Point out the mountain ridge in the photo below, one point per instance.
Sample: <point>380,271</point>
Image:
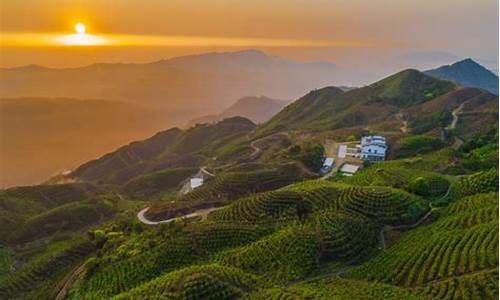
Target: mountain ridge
<point>468,72</point>
<point>185,86</point>
<point>329,108</point>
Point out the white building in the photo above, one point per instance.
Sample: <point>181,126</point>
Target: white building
<point>373,148</point>
<point>349,170</point>
<point>342,151</point>
<point>327,164</point>
<point>196,182</point>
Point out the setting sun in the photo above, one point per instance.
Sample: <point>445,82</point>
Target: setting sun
<point>80,28</point>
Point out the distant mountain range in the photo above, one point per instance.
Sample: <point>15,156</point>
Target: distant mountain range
<point>186,86</point>
<point>467,72</point>
<point>257,109</point>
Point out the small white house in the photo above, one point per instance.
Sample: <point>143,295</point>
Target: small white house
<point>196,182</point>
<point>349,169</point>
<point>327,164</point>
<point>373,148</point>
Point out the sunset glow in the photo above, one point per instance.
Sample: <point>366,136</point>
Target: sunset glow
<point>85,39</point>
<point>80,39</point>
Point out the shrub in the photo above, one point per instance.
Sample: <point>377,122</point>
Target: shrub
<point>312,156</point>
<point>417,144</point>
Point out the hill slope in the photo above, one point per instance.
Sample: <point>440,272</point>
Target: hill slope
<point>467,72</point>
<point>171,148</point>
<point>331,108</point>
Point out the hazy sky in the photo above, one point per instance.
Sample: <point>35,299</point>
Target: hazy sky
<point>348,32</point>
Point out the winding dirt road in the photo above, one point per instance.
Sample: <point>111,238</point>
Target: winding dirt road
<point>455,113</point>
<point>203,213</point>
<point>457,142</point>
<point>68,282</point>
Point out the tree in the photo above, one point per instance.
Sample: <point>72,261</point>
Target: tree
<point>420,186</point>
<point>312,156</point>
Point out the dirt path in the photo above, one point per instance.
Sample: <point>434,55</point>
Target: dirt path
<point>338,162</point>
<point>204,170</point>
<point>69,280</point>
<point>336,273</point>
<point>404,127</point>
<point>203,213</point>
<point>457,142</point>
<point>410,226</point>
<point>455,113</point>
<point>186,187</point>
<point>256,149</point>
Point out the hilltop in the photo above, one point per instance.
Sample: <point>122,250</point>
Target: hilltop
<point>467,72</point>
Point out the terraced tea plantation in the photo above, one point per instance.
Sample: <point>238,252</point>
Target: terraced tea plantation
<point>227,187</point>
<point>263,224</point>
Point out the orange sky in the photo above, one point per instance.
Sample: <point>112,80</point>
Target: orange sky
<point>161,29</point>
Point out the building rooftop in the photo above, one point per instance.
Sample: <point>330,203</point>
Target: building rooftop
<point>328,162</point>
<point>342,151</point>
<point>349,169</point>
<point>196,182</point>
<point>373,140</point>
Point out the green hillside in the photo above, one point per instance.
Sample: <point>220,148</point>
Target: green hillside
<point>264,225</point>
<point>410,87</point>
<point>330,108</point>
<point>225,188</point>
<point>173,148</point>
<point>153,184</point>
